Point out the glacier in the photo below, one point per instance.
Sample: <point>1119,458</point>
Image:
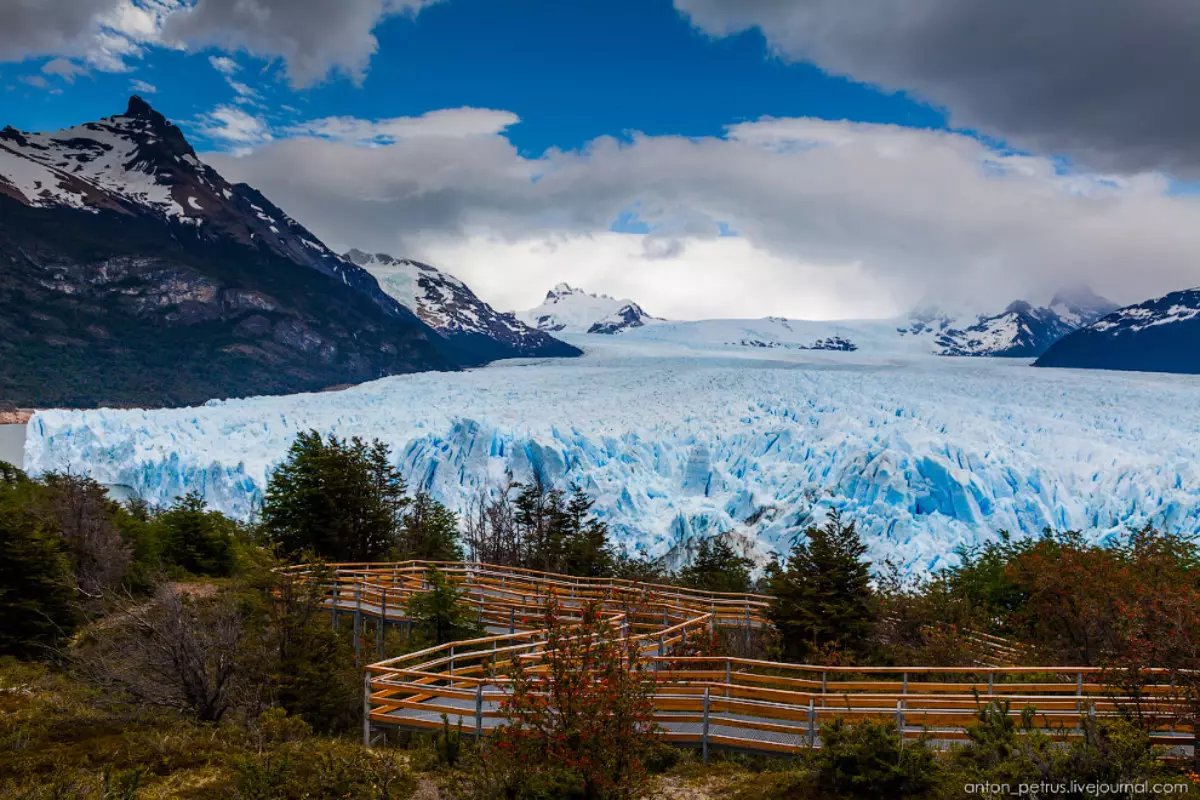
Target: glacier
<point>689,438</point>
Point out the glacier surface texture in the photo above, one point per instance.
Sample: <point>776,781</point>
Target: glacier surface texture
<point>678,441</point>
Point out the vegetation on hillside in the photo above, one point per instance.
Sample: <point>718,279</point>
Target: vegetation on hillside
<point>160,652</point>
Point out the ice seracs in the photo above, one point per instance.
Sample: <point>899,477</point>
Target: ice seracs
<point>679,441</point>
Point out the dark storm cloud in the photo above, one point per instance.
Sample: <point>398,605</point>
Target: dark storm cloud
<point>1112,84</point>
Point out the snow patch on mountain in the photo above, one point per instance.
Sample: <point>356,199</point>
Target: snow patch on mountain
<point>567,309</point>
<point>448,305</point>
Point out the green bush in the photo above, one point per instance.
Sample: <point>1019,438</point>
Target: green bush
<point>196,540</point>
<point>869,760</point>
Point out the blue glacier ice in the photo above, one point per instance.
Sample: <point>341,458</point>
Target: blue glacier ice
<point>678,441</point>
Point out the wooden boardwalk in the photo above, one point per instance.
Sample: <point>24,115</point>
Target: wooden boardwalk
<point>704,702</point>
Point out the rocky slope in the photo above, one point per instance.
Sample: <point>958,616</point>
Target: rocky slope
<point>1159,335</point>
<point>449,306</point>
<point>133,274</point>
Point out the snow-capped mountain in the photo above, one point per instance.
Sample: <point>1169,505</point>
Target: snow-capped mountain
<point>449,306</point>
<point>131,272</point>
<point>1020,331</point>
<point>139,163</point>
<point>570,310</point>
<point>1159,335</point>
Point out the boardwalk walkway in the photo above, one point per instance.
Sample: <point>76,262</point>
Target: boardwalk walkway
<point>705,702</point>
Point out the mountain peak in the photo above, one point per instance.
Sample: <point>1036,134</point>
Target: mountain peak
<point>140,108</point>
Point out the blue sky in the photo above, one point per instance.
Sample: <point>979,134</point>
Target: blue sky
<point>799,158</point>
<point>571,71</point>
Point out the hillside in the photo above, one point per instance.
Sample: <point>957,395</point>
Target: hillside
<point>449,306</point>
<point>133,274</point>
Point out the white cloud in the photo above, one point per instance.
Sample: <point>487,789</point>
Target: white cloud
<point>850,218</point>
<point>235,127</point>
<point>224,64</point>
<point>65,69</point>
<point>36,81</point>
<point>315,38</point>
<point>452,123</point>
<point>142,87</point>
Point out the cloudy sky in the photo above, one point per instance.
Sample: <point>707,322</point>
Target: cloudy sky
<point>804,158</point>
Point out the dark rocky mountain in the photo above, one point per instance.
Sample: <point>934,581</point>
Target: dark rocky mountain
<point>1020,331</point>
<point>627,316</point>
<point>449,306</point>
<point>133,274</point>
<point>1159,335</point>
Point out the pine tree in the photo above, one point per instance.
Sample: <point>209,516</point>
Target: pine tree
<point>430,532</point>
<point>37,584</point>
<point>588,554</point>
<point>338,499</point>
<point>439,614</point>
<point>196,539</point>
<point>822,596</point>
<point>717,568</point>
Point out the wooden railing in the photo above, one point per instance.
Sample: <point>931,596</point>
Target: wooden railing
<point>703,701</point>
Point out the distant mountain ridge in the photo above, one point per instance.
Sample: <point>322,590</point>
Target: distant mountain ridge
<point>572,310</point>
<point>1158,335</point>
<point>1021,330</point>
<point>133,274</point>
<point>448,305</point>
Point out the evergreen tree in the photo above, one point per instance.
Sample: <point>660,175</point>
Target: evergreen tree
<point>197,540</point>
<point>37,585</point>
<point>339,499</point>
<point>430,531</point>
<point>588,554</point>
<point>717,568</point>
<point>439,614</point>
<point>822,596</point>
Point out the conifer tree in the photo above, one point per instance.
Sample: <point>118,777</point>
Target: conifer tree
<point>430,531</point>
<point>822,594</point>
<point>339,499</point>
<point>197,540</point>
<point>440,614</point>
<point>717,568</point>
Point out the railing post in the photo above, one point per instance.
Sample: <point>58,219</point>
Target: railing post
<point>727,676</point>
<point>367,710</point>
<point>904,684</point>
<point>712,618</point>
<point>824,683</point>
<point>381,629</point>
<point>991,683</point>
<point>512,620</point>
<point>1079,695</point>
<point>1196,743</point>
<point>336,600</point>
<point>812,723</point>
<point>900,720</point>
<point>478,711</point>
<point>357,619</point>
<point>452,663</point>
<point>704,736</point>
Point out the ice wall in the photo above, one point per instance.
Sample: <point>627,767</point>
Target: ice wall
<point>925,453</point>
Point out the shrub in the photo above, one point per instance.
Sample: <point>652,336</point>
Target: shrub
<point>580,725</point>
<point>197,540</point>
<point>869,760</point>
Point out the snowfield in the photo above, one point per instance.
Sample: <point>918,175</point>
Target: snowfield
<point>693,437</point>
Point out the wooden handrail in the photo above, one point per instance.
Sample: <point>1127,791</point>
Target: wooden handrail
<point>754,704</point>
